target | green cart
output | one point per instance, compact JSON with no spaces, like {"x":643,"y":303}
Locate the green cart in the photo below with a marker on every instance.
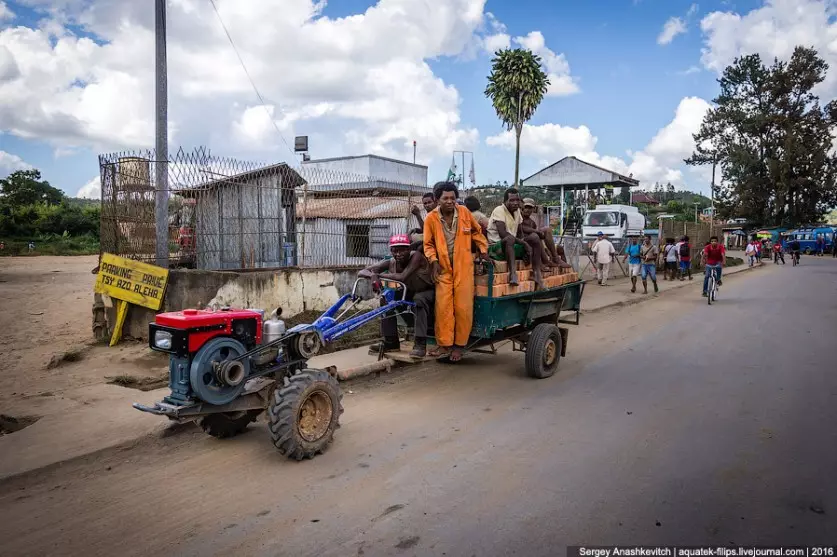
{"x":530,"y":320}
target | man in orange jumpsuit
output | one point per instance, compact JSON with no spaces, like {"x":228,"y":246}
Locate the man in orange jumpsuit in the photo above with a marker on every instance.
{"x":449,"y":232}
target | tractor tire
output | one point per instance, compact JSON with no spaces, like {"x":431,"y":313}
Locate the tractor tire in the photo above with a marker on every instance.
{"x":304,"y":414}
{"x":543,"y":351}
{"x":228,"y":424}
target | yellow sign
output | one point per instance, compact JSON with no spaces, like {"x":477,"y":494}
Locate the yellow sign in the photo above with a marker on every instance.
{"x":132,"y":281}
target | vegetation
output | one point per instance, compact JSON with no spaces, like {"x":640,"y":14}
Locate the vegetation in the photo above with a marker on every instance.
{"x":772,"y":141}
{"x":31,"y":210}
{"x":516,"y":86}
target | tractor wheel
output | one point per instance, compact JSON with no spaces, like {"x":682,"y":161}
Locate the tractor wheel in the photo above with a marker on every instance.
{"x":543,"y":351}
{"x":228,"y":424}
{"x":304,"y":414}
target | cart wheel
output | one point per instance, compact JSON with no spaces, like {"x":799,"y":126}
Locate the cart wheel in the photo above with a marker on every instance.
{"x":304,"y":414}
{"x":543,"y":351}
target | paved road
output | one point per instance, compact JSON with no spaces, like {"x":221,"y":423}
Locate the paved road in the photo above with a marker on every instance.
{"x":671,"y":422}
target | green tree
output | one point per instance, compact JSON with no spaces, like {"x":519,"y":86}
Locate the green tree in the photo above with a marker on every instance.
{"x":25,"y":187}
{"x":772,"y":140}
{"x":516,"y":86}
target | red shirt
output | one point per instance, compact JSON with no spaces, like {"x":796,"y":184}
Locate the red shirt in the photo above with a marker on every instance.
{"x":716,"y":255}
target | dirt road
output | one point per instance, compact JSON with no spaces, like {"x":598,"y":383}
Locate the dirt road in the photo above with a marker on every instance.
{"x":669,"y":422}
{"x":47,"y":315}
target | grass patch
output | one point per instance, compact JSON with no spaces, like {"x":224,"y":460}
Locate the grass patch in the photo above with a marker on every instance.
{"x":11,"y":424}
{"x":70,"y":356}
{"x":139,"y":383}
{"x":58,"y":245}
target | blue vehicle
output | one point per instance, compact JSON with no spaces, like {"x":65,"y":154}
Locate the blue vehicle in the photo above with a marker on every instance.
{"x":807,"y":238}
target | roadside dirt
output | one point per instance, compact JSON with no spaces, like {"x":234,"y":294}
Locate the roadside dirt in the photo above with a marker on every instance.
{"x":47,"y":344}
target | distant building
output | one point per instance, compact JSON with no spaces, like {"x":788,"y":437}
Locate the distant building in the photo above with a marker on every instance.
{"x":352,"y":205}
{"x":642,"y":197}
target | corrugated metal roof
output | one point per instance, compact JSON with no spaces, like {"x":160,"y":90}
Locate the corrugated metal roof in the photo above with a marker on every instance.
{"x":354,"y":208}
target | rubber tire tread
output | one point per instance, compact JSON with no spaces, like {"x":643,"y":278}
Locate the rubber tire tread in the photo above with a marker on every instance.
{"x":535,"y":347}
{"x":283,"y":410}
{"x":224,"y":427}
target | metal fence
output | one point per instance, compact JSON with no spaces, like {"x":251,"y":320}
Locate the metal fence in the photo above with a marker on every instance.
{"x":225,"y":213}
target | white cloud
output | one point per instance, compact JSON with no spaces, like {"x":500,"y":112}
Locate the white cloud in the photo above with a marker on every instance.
{"x":5,"y":12}
{"x":91,"y":190}
{"x":498,"y":38}
{"x":361,"y":82}
{"x":660,"y":161}
{"x":773,"y":31}
{"x":676,"y":26}
{"x":10,"y":163}
{"x":557,"y":67}
{"x":671,"y":28}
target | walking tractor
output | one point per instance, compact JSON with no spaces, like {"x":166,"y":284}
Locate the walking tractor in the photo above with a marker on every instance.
{"x":227,"y":366}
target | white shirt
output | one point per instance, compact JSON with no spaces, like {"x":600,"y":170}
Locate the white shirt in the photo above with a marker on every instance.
{"x":501,"y":214}
{"x":751,"y":249}
{"x":603,"y":249}
{"x":671,"y":253}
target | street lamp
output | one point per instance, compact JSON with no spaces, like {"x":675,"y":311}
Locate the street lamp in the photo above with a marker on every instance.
{"x":696,"y":206}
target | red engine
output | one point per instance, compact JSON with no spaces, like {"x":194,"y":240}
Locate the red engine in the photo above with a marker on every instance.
{"x":185,"y":332}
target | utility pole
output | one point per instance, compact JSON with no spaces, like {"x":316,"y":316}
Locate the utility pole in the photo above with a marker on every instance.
{"x":712,"y":197}
{"x":463,"y":165}
{"x":161,"y":197}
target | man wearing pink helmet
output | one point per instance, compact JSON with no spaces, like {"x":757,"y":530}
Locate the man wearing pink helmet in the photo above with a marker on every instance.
{"x":412,"y":268}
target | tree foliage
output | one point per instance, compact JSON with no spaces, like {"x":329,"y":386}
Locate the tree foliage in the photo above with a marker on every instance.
{"x":772,"y":141}
{"x":516,"y":86}
{"x":31,"y":208}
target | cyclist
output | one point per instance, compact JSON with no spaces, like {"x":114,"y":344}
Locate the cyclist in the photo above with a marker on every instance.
{"x":795,"y":250}
{"x":778,"y":253}
{"x":715,"y":256}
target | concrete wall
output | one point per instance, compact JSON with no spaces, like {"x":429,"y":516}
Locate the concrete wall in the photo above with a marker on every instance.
{"x":294,"y":290}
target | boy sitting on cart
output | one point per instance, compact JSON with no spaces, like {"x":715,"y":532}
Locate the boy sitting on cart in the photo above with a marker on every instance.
{"x":506,"y":241}
{"x":553,"y":256}
{"x":411,"y":268}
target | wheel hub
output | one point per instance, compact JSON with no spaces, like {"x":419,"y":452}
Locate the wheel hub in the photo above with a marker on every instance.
{"x":315,"y":414}
{"x":550,"y":350}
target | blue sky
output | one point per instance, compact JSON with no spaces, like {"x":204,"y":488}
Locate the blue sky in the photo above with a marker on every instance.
{"x":630,"y":86}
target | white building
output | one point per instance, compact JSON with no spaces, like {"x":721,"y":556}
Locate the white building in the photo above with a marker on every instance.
{"x":352,"y":205}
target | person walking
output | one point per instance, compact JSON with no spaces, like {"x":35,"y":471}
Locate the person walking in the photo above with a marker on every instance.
{"x":649,"y":254}
{"x":604,"y":252}
{"x":671,"y":258}
{"x":751,"y":253}
{"x":685,"y":251}
{"x":635,"y":265}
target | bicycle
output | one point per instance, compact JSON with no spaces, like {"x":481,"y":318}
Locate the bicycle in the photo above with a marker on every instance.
{"x":712,"y":287}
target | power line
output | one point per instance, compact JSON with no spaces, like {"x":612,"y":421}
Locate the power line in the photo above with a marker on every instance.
{"x":256,"y":89}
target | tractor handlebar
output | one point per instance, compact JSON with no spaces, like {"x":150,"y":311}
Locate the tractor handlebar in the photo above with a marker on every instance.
{"x":399,"y":283}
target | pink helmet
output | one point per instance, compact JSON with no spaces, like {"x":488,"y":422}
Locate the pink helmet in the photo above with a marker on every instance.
{"x":399,"y":240}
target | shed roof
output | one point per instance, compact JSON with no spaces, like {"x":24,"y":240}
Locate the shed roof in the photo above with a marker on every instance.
{"x":353,"y":208}
{"x":573,"y":174}
{"x":290,"y":178}
{"x":642,"y":197}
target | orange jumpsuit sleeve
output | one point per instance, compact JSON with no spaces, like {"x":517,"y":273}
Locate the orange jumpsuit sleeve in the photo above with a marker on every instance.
{"x":429,"y":240}
{"x":478,"y":237}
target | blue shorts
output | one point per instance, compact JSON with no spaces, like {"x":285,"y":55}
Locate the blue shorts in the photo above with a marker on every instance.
{"x":685,"y":264}
{"x":649,"y":269}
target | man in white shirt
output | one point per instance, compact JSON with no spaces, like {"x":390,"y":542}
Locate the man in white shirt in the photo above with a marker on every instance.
{"x":604,"y":252}
{"x":506,"y":241}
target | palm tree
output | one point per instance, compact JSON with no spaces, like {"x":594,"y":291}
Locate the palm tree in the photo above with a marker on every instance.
{"x":516,"y":87}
